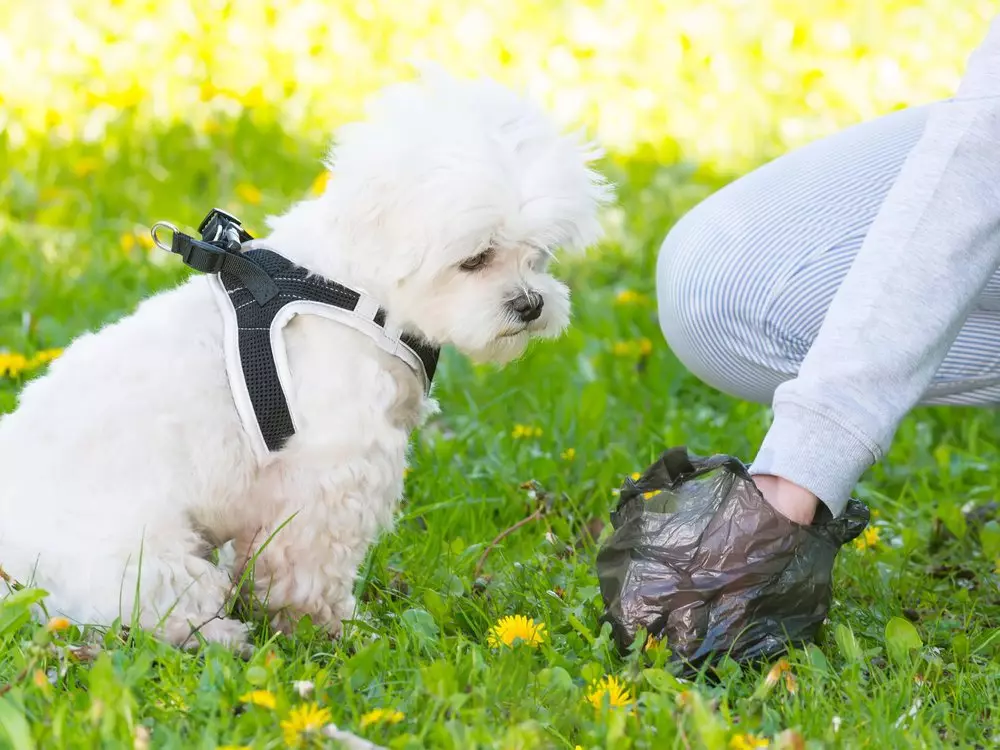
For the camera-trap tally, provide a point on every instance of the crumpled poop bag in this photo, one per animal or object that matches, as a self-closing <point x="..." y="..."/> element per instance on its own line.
<point x="701" y="561"/>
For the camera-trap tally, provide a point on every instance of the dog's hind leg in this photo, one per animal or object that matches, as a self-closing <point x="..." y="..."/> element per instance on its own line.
<point x="167" y="589"/>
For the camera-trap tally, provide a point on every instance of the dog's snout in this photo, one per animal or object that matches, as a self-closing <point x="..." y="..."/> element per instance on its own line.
<point x="527" y="306"/>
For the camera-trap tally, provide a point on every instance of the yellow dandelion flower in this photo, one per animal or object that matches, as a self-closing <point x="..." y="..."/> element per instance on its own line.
<point x="49" y="194"/>
<point x="128" y="242"/>
<point x="12" y="364"/>
<point x="609" y="688"/>
<point x="57" y="625"/>
<point x="645" y="347"/>
<point x="629" y="297"/>
<point x="146" y="240"/>
<point x="304" y="721"/>
<point x="868" y="539"/>
<point x="86" y="166"/>
<point x="635" y="476"/>
<point x="525" y="431"/>
<point x="747" y="742"/>
<point x="381" y="716"/>
<point x="44" y="357"/>
<point x="651" y="643"/>
<point x="262" y="698"/>
<point x="651" y="493"/>
<point x="319" y="184"/>
<point x="622" y="348"/>
<point x="774" y="673"/>
<point x="516" y="629"/>
<point x="568" y="455"/>
<point x="253" y="98"/>
<point x="249" y="193"/>
<point x="40" y="680"/>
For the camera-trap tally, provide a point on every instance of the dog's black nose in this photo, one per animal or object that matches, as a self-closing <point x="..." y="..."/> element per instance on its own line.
<point x="527" y="306"/>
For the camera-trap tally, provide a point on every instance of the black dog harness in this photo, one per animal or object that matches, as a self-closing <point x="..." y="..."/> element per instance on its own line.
<point x="259" y="292"/>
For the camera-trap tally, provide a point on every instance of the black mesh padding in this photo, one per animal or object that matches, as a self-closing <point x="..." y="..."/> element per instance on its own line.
<point x="254" y="320"/>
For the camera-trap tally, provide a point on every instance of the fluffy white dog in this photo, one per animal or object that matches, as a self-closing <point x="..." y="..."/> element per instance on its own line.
<point x="127" y="463"/>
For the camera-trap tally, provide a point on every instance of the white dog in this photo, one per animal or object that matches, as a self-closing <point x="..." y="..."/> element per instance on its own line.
<point x="127" y="463"/>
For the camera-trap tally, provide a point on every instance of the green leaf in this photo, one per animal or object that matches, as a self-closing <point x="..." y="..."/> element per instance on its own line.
<point x="15" y="726"/>
<point x="847" y="643"/>
<point x="662" y="681"/>
<point x="989" y="538"/>
<point x="901" y="637"/>
<point x="961" y="648"/>
<point x="15" y="610"/>
<point x="420" y="625"/>
<point x="953" y="519"/>
<point x="439" y="679"/>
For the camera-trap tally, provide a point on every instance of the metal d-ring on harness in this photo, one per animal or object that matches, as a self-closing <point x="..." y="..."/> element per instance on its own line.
<point x="259" y="291"/>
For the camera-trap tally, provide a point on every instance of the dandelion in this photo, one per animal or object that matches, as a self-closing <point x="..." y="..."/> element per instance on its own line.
<point x="622" y="348"/>
<point x="303" y="687"/>
<point x="868" y="539"/>
<point x="304" y="721"/>
<point x="651" y="643"/>
<point x="609" y="688"/>
<point x="57" y="625"/>
<point x="128" y="242"/>
<point x="262" y="698"/>
<point x="514" y="629"/>
<point x="635" y="476"/>
<point x="629" y="297"/>
<point x="40" y="680"/>
<point x="782" y="670"/>
<point x="651" y="493"/>
<point x="44" y="357"/>
<point x="86" y="166"/>
<point x="381" y="716"/>
<point x="747" y="742"/>
<point x="319" y="184"/>
<point x="249" y="193"/>
<point x="525" y="431"/>
<point x="645" y="347"/>
<point x="568" y="455"/>
<point x="12" y="364"/>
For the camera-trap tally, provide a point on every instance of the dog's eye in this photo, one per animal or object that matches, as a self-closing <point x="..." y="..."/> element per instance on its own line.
<point x="478" y="261"/>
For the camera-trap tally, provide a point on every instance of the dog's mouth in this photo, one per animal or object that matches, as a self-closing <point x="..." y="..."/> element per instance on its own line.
<point x="511" y="332"/>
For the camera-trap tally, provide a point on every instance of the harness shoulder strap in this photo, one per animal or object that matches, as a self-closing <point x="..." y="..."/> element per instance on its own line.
<point x="259" y="292"/>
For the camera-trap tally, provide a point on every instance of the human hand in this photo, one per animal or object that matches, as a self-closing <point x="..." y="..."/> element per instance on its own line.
<point x="793" y="502"/>
<point x="705" y="564"/>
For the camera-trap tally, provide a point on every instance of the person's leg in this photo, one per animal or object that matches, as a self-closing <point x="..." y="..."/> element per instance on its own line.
<point x="744" y="280"/>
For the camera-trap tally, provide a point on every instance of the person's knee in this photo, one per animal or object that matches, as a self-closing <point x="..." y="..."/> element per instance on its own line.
<point x="691" y="306"/>
<point x="703" y="297"/>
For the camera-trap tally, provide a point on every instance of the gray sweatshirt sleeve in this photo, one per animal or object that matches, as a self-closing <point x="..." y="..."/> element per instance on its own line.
<point x="928" y="255"/>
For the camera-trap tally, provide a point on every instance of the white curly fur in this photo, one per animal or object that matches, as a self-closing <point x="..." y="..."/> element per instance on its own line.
<point x="126" y="463"/>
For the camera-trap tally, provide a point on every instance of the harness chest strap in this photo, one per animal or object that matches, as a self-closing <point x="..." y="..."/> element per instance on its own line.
<point x="258" y="292"/>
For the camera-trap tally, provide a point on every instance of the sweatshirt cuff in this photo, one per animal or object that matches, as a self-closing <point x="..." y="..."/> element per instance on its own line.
<point x="816" y="452"/>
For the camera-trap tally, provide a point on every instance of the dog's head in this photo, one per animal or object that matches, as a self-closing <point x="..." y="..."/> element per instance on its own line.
<point x="459" y="194"/>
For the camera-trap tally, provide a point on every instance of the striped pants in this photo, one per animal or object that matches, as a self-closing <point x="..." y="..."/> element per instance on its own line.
<point x="744" y="280"/>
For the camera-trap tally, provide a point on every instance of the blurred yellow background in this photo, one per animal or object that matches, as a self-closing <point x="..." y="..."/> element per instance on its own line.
<point x="715" y="81"/>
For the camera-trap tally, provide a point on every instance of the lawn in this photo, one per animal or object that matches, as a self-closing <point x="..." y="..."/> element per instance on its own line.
<point x="559" y="430"/>
<point x="910" y="656"/>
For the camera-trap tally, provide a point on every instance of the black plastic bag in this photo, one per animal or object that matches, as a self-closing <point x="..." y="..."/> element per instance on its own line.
<point x="701" y="561"/>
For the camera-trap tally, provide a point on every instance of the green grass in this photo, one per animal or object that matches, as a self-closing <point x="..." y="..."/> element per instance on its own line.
<point x="421" y="644"/>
